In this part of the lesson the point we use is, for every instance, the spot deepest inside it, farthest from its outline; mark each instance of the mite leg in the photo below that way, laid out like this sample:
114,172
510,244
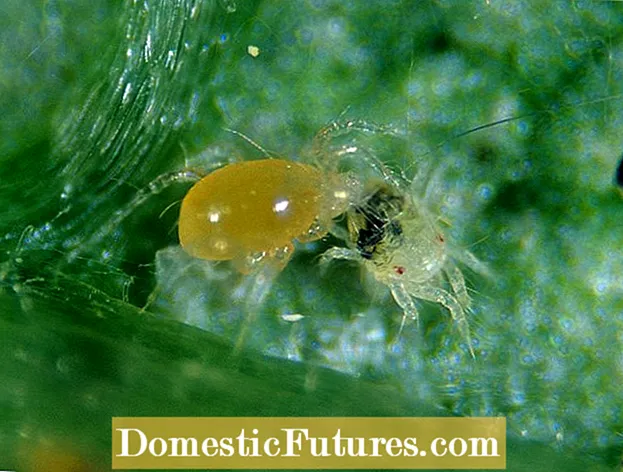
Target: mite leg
321,145
405,302
260,282
155,187
338,253
475,264
439,295
340,233
340,128
316,231
457,281
275,259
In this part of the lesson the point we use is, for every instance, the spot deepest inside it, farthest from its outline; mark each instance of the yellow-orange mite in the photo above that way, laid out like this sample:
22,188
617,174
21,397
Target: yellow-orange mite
258,207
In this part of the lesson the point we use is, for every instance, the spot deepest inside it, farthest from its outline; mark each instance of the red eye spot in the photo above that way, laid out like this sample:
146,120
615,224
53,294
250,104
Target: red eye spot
399,270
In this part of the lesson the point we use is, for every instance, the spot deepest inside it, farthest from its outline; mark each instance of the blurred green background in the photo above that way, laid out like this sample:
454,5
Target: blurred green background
103,315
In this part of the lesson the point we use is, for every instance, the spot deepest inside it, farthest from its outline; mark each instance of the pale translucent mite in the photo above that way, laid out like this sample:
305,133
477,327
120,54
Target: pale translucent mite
393,237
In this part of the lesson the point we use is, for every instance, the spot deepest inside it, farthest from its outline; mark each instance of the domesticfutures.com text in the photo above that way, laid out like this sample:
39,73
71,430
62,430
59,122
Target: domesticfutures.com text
293,442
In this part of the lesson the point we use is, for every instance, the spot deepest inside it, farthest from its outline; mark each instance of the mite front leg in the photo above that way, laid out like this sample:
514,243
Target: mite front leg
340,233
338,253
325,154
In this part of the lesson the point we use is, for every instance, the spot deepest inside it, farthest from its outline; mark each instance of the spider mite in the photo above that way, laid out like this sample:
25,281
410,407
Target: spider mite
400,244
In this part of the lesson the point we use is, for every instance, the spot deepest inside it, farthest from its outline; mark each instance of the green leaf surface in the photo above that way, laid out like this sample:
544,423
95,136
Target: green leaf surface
512,107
